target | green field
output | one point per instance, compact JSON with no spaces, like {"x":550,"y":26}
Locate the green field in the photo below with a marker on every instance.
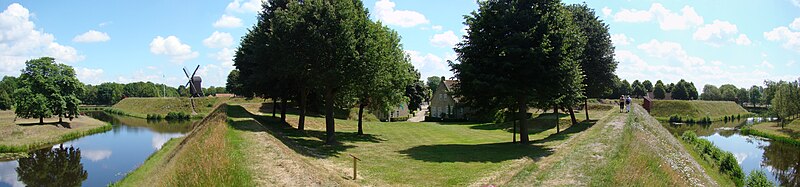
{"x":789,"y":133}
{"x":22,"y":135}
{"x":140,"y":106}
{"x":716,"y":110}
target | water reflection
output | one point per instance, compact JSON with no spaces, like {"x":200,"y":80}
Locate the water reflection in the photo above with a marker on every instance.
{"x":105,"y":157}
{"x":52,"y":167}
{"x":784,"y":160}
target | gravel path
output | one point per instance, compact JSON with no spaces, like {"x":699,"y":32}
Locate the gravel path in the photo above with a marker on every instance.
{"x":420,"y":115}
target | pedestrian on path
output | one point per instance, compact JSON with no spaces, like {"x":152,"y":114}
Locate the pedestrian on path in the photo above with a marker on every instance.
{"x":628,"y":103}
{"x":621,"y":103}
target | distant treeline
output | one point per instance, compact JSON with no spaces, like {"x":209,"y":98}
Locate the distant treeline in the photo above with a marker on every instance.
{"x":682,"y":90}
{"x":108,"y":93}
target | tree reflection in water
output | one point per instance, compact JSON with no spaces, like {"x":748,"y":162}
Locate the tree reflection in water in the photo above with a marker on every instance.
{"x":785,"y":162}
{"x":52,"y":167}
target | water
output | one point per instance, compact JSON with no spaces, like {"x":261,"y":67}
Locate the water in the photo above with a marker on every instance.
{"x":780,"y":161}
{"x":95,"y":160}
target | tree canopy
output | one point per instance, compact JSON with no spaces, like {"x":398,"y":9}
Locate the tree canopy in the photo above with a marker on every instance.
{"x":47,"y":89}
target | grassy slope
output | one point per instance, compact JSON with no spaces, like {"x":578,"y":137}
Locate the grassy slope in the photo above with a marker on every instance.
{"x":790,"y":133}
{"x":717,"y":110}
{"x":423,"y":154}
{"x":623,"y":150}
{"x":162,"y":105}
{"x":27,"y":134}
{"x":211,"y":155}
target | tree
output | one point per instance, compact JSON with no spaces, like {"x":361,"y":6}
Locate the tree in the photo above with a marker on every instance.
{"x":727,"y":92}
{"x":7,"y":87}
{"x":518,"y":54}
{"x":625,"y":88}
{"x":743,"y":96}
{"x":416,"y":95}
{"x":659,"y":91}
{"x":680,"y":91}
{"x":757,"y":178}
{"x":648,"y":86}
{"x":597,"y":60}
{"x":233,"y":85}
{"x":710,"y":93}
{"x":62,"y":166}
{"x":692,"y":91}
{"x":47,"y":89}
{"x":755,"y":95}
{"x":433,"y":82}
{"x":638,"y":88}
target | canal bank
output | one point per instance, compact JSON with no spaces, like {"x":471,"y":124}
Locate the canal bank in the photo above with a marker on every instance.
{"x":19,"y":136}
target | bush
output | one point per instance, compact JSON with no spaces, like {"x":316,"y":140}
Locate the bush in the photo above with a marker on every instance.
{"x":757,"y":178}
{"x":154,"y":116}
{"x":177,"y":116}
{"x":399,"y":119}
{"x":724,"y":160}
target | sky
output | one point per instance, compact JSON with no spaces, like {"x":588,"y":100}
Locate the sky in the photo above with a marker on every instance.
{"x":706,"y":42}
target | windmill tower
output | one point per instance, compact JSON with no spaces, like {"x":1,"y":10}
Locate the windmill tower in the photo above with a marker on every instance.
{"x":194,"y":86}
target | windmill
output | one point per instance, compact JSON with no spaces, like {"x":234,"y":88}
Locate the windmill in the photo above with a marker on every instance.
{"x":194,"y":86}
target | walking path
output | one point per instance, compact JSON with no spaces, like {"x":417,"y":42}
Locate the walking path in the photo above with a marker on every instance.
{"x":420,"y":114}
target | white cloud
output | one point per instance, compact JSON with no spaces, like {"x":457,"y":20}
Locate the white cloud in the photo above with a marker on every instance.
{"x":795,"y":24}
{"x":606,"y":11}
{"x":218,"y":40}
{"x":743,"y":40}
{"x":716,"y":30}
{"x":670,"y":51}
{"x":253,"y":6}
{"x":765,"y":64}
{"x":385,"y":11}
{"x":224,"y":56}
{"x":621,"y":39}
{"x":105,"y":24}
{"x":667,"y":20}
{"x":171,"y":46}
{"x":446,"y":39}
{"x":430,"y":64}
{"x":790,"y":63}
{"x":20,"y":40}
{"x":790,"y":38}
{"x":214,"y":74}
{"x":796,"y":3}
{"x":91,"y":36}
{"x":436,"y":27}
{"x":227,"y":21}
{"x":89,"y":76}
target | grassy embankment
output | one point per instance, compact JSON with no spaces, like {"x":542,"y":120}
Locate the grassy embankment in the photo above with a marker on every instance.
{"x":790,"y":133}
{"x":210,"y":155}
{"x":696,"y":110}
{"x":630,"y":149}
{"x":135,"y":106}
{"x":23,"y":135}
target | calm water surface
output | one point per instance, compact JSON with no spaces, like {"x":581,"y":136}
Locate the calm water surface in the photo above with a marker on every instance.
{"x":95,"y":160}
{"x":780,"y":161}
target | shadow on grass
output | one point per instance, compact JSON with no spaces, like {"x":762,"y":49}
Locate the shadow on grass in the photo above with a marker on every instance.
{"x":567,"y":132}
{"x":536,"y":125}
{"x":62,"y":124}
{"x":495,"y":152}
{"x":306,"y":142}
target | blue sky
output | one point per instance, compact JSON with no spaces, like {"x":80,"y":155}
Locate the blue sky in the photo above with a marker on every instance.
{"x":744,"y":42}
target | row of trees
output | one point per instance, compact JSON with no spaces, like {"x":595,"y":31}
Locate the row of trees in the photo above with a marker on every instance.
{"x":320,"y":52}
{"x":729,"y":92}
{"x":540,"y":54}
{"x":784,"y":98}
{"x":682,"y":90}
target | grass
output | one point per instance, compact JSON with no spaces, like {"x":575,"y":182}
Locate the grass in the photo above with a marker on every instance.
{"x":716,"y":110}
{"x":711,"y":169}
{"x":23,"y":135}
{"x":163,"y":105}
{"x":210,"y":155}
{"x":151,"y":167}
{"x":789,"y":134}
{"x":420,"y":154}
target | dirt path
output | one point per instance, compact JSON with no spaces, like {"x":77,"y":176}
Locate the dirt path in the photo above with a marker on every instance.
{"x":420,"y":115}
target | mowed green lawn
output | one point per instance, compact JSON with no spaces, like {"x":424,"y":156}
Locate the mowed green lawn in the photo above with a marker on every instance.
{"x":423,"y":154}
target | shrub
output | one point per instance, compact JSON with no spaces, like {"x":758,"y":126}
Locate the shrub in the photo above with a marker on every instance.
{"x":177,"y":116}
{"x":757,"y":178}
{"x":154,"y":116}
{"x":725,"y":160}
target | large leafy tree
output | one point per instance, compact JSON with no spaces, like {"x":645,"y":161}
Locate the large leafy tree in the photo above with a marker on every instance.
{"x":47,"y":89}
{"x":233,"y":84}
{"x":597,"y":60}
{"x":742,"y":96}
{"x":519,"y":54}
{"x":648,"y":86}
{"x":433,"y":82}
{"x":727,"y":92}
{"x":638,"y":88}
{"x":710,"y":93}
{"x":659,"y":91}
{"x":755,"y":95}
{"x":7,"y":87}
{"x":680,"y":90}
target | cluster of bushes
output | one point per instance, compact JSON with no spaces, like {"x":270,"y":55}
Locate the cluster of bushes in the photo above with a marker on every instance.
{"x":177,"y":116}
{"x":732,"y":117}
{"x":678,"y":119}
{"x":724,"y":160}
{"x":115,"y":111}
{"x":404,"y":118}
{"x":154,"y":116}
{"x":757,"y":178}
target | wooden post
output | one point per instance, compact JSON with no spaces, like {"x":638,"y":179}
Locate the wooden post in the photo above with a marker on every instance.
{"x":355,"y":166}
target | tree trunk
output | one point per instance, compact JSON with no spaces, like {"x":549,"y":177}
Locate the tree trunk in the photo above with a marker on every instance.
{"x":586,"y":108}
{"x":59,"y":119}
{"x":41,"y":120}
{"x":283,"y":109}
{"x":523,"y":127}
{"x":572,"y":115}
{"x":360,"y":117}
{"x":301,"y":123}
{"x":274,"y":106}
{"x":555,"y":111}
{"x":514,"y":132}
{"x":329,"y":121}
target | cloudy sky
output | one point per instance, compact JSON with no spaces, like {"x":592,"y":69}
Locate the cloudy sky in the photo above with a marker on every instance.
{"x":707,"y":42}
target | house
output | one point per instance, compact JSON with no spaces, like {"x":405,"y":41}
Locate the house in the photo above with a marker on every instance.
{"x":667,"y":96}
{"x":401,"y":111}
{"x":443,"y":104}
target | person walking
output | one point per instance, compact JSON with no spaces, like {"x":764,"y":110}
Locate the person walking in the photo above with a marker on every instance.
{"x":621,"y":103}
{"x":628,"y":103}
